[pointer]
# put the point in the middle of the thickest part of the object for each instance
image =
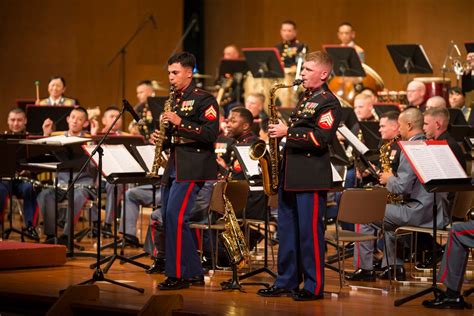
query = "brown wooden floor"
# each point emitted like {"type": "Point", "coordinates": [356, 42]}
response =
{"type": "Point", "coordinates": [210, 299]}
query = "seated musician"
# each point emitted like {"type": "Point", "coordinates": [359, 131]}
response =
{"type": "Point", "coordinates": [416, 91]}
{"type": "Point", "coordinates": [346, 34]}
{"type": "Point", "coordinates": [436, 102]}
{"type": "Point", "coordinates": [416, 209]}
{"type": "Point", "coordinates": [457, 100]}
{"type": "Point", "coordinates": [232, 83]}
{"type": "Point", "coordinates": [56, 89]}
{"type": "Point", "coordinates": [144, 91]}
{"type": "Point", "coordinates": [77, 121]}
{"type": "Point", "coordinates": [19, 187]}
{"type": "Point", "coordinates": [255, 104]}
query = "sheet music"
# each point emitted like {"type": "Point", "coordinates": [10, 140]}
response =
{"type": "Point", "coordinates": [116, 159]}
{"type": "Point", "coordinates": [352, 139]}
{"type": "Point", "coordinates": [252, 167]}
{"type": "Point", "coordinates": [147, 152]}
{"type": "Point", "coordinates": [426, 56]}
{"type": "Point", "coordinates": [59, 140]}
{"type": "Point", "coordinates": [433, 162]}
{"type": "Point", "coordinates": [45, 165]}
{"type": "Point", "coordinates": [336, 177]}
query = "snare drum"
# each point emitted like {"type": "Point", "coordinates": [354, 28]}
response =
{"type": "Point", "coordinates": [436, 86]}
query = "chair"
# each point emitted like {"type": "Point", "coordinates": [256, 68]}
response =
{"type": "Point", "coordinates": [357, 206]}
{"type": "Point", "coordinates": [461, 207]}
{"type": "Point", "coordinates": [236, 192]}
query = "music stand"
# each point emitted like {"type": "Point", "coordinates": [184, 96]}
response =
{"type": "Point", "coordinates": [346, 61]}
{"type": "Point", "coordinates": [456, 117]}
{"type": "Point", "coordinates": [156, 106]}
{"type": "Point", "coordinates": [264, 62]}
{"type": "Point", "coordinates": [410, 59]}
{"type": "Point", "coordinates": [337, 154]}
{"type": "Point", "coordinates": [469, 46]}
{"type": "Point", "coordinates": [348, 117]}
{"type": "Point", "coordinates": [232, 66]}
{"type": "Point", "coordinates": [382, 108]}
{"type": "Point", "coordinates": [36, 114]}
{"type": "Point", "coordinates": [371, 134]}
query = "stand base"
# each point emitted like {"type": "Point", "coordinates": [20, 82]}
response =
{"type": "Point", "coordinates": [433, 289]}
{"type": "Point", "coordinates": [258, 271]}
{"type": "Point", "coordinates": [468, 292]}
{"type": "Point", "coordinates": [8, 231]}
{"type": "Point", "coordinates": [232, 284]}
{"type": "Point", "coordinates": [99, 276]}
{"type": "Point", "coordinates": [111, 259]}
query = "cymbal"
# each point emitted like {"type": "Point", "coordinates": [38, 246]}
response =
{"type": "Point", "coordinates": [201, 76]}
{"type": "Point", "coordinates": [157, 87]}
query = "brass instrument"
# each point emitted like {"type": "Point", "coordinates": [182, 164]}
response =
{"type": "Point", "coordinates": [269, 159]}
{"type": "Point", "coordinates": [233, 238]}
{"type": "Point", "coordinates": [385, 167]}
{"type": "Point", "coordinates": [158, 161]}
{"type": "Point", "coordinates": [37, 85]}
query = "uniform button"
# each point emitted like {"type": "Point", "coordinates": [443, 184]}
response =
{"type": "Point", "coordinates": [308, 155]}
{"type": "Point", "coordinates": [305, 115]}
{"type": "Point", "coordinates": [189, 126]}
{"type": "Point", "coordinates": [304, 136]}
{"type": "Point", "coordinates": [182, 125]}
{"type": "Point", "coordinates": [299, 112]}
{"type": "Point", "coordinates": [297, 135]}
{"type": "Point", "coordinates": [289, 134]}
{"type": "Point", "coordinates": [197, 128]}
{"type": "Point", "coordinates": [198, 150]}
{"type": "Point", "coordinates": [292, 124]}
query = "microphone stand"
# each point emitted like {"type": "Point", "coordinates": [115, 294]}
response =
{"type": "Point", "coordinates": [178, 43]}
{"type": "Point", "coordinates": [98, 273]}
{"type": "Point", "coordinates": [123, 51]}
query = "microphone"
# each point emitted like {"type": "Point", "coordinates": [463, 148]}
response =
{"type": "Point", "coordinates": [153, 21]}
{"type": "Point", "coordinates": [130, 110]}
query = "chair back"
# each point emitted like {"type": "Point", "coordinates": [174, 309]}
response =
{"type": "Point", "coordinates": [217, 202]}
{"type": "Point", "coordinates": [237, 192]}
{"type": "Point", "coordinates": [462, 204]}
{"type": "Point", "coordinates": [362, 206]}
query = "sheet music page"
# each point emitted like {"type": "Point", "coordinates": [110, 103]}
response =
{"type": "Point", "coordinates": [352, 139]}
{"type": "Point", "coordinates": [426, 56]}
{"type": "Point", "coordinates": [251, 165]}
{"type": "Point", "coordinates": [57, 140]}
{"type": "Point", "coordinates": [336, 177]}
{"type": "Point", "coordinates": [448, 162]}
{"type": "Point", "coordinates": [116, 159]}
{"type": "Point", "coordinates": [147, 152]}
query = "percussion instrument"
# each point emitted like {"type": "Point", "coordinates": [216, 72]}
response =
{"type": "Point", "coordinates": [348, 87]}
{"type": "Point", "coordinates": [436, 86]}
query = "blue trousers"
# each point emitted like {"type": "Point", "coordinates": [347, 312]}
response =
{"type": "Point", "coordinates": [301, 236]}
{"type": "Point", "coordinates": [182, 259]}
{"type": "Point", "coordinates": [22, 190]}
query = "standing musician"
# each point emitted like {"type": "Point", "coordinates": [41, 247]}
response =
{"type": "Point", "coordinates": [305, 178]}
{"type": "Point", "coordinates": [231, 84]}
{"type": "Point", "coordinates": [290, 49]}
{"type": "Point", "coordinates": [56, 89]}
{"type": "Point", "coordinates": [194, 128]}
{"type": "Point", "coordinates": [346, 34]}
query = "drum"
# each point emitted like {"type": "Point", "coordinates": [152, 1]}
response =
{"type": "Point", "coordinates": [348, 87]}
{"type": "Point", "coordinates": [436, 86]}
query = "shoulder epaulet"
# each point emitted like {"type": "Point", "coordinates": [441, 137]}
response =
{"type": "Point", "coordinates": [200, 91]}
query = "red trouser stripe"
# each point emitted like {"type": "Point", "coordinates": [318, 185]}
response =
{"type": "Point", "coordinates": [462, 232]}
{"type": "Point", "coordinates": [316, 243]}
{"type": "Point", "coordinates": [179, 230]}
{"type": "Point", "coordinates": [35, 216]}
{"type": "Point", "coordinates": [153, 223]}
{"type": "Point", "coordinates": [198, 238]}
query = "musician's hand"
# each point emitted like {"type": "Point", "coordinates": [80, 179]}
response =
{"type": "Point", "coordinates": [340, 138]}
{"type": "Point", "coordinates": [171, 117]}
{"type": "Point", "coordinates": [277, 130]}
{"type": "Point", "coordinates": [48, 125]}
{"type": "Point", "coordinates": [94, 126]}
{"type": "Point", "coordinates": [384, 176]}
{"type": "Point", "coordinates": [221, 162]}
{"type": "Point", "coordinates": [157, 138]}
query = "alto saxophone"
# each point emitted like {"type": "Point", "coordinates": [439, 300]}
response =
{"type": "Point", "coordinates": [269, 159]}
{"type": "Point", "coordinates": [233, 238]}
{"type": "Point", "coordinates": [158, 160]}
{"type": "Point", "coordinates": [384, 151]}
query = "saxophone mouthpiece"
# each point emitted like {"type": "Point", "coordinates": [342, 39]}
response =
{"type": "Point", "coordinates": [297, 82]}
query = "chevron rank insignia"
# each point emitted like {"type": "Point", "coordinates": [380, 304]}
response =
{"type": "Point", "coordinates": [210, 113]}
{"type": "Point", "coordinates": [326, 120]}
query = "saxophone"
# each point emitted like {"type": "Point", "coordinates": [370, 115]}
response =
{"type": "Point", "coordinates": [385, 166]}
{"type": "Point", "coordinates": [269, 159]}
{"type": "Point", "coordinates": [233, 238]}
{"type": "Point", "coordinates": [158, 161]}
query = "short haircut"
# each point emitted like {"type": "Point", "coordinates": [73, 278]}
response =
{"type": "Point", "coordinates": [346, 24]}
{"type": "Point", "coordinates": [187, 60]}
{"type": "Point", "coordinates": [390, 115]}
{"type": "Point", "coordinates": [290, 22]}
{"type": "Point", "coordinates": [57, 77]}
{"type": "Point", "coordinates": [17, 111]}
{"type": "Point", "coordinates": [146, 83]}
{"type": "Point", "coordinates": [259, 96]}
{"type": "Point", "coordinates": [413, 116]}
{"type": "Point", "coordinates": [112, 108]}
{"type": "Point", "coordinates": [436, 101]}
{"type": "Point", "coordinates": [80, 109]}
{"type": "Point", "coordinates": [320, 57]}
{"type": "Point", "coordinates": [457, 90]}
{"type": "Point", "coordinates": [438, 112]}
{"type": "Point", "coordinates": [363, 97]}
{"type": "Point", "coordinates": [244, 113]}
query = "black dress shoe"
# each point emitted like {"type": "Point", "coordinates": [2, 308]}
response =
{"type": "Point", "coordinates": [31, 232]}
{"type": "Point", "coordinates": [274, 291]}
{"type": "Point", "coordinates": [444, 302]}
{"type": "Point", "coordinates": [399, 270]}
{"type": "Point", "coordinates": [197, 280]}
{"type": "Point", "coordinates": [62, 240]}
{"type": "Point", "coordinates": [361, 275]}
{"type": "Point", "coordinates": [107, 230]}
{"type": "Point", "coordinates": [132, 240]}
{"type": "Point", "coordinates": [173, 284]}
{"type": "Point", "coordinates": [158, 266]}
{"type": "Point", "coordinates": [305, 295]}
{"type": "Point", "coordinates": [428, 262]}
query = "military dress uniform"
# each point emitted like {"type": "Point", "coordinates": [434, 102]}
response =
{"type": "Point", "coordinates": [306, 177]}
{"type": "Point", "coordinates": [192, 162]}
{"type": "Point", "coordinates": [62, 101]}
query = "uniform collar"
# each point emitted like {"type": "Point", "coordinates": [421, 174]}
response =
{"type": "Point", "coordinates": [183, 94]}
{"type": "Point", "coordinates": [245, 136]}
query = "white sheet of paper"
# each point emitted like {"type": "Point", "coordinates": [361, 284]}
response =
{"type": "Point", "coordinates": [252, 165]}
{"type": "Point", "coordinates": [147, 152]}
{"type": "Point", "coordinates": [116, 159]}
{"type": "Point", "coordinates": [57, 140]}
{"type": "Point", "coordinates": [352, 139]}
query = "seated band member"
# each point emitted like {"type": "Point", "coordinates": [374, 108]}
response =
{"type": "Point", "coordinates": [302, 195]}
{"type": "Point", "coordinates": [255, 104]}
{"type": "Point", "coordinates": [457, 100]}
{"type": "Point", "coordinates": [230, 83]}
{"type": "Point", "coordinates": [416, 94]}
{"type": "Point", "coordinates": [346, 34]}
{"type": "Point", "coordinates": [453, 267]}
{"type": "Point", "coordinates": [194, 126]}
{"type": "Point", "coordinates": [56, 89]}
{"type": "Point", "coordinates": [435, 102]}
{"type": "Point", "coordinates": [22, 189]}
{"type": "Point", "coordinates": [77, 121]}
{"type": "Point", "coordinates": [416, 210]}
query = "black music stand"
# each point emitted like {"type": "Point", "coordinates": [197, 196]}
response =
{"type": "Point", "coordinates": [469, 46]}
{"type": "Point", "coordinates": [348, 117]}
{"type": "Point", "coordinates": [36, 114]}
{"type": "Point", "coordinates": [264, 62]}
{"type": "Point", "coordinates": [232, 66]}
{"type": "Point", "coordinates": [346, 61]}
{"type": "Point", "coordinates": [382, 108]}
{"type": "Point", "coordinates": [410, 59]}
{"type": "Point", "coordinates": [456, 117]}
{"type": "Point", "coordinates": [371, 134]}
{"type": "Point", "coordinates": [156, 106]}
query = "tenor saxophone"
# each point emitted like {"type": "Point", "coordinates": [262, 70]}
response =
{"type": "Point", "coordinates": [269, 158]}
{"type": "Point", "coordinates": [384, 151]}
{"type": "Point", "coordinates": [158, 160]}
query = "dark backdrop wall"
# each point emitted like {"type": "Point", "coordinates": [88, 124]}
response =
{"type": "Point", "coordinates": [432, 23]}
{"type": "Point", "coordinates": [76, 39]}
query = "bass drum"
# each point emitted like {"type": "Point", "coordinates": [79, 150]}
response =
{"type": "Point", "coordinates": [436, 86]}
{"type": "Point", "coordinates": [348, 87]}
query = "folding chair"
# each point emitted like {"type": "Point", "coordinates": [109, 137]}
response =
{"type": "Point", "coordinates": [357, 206]}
